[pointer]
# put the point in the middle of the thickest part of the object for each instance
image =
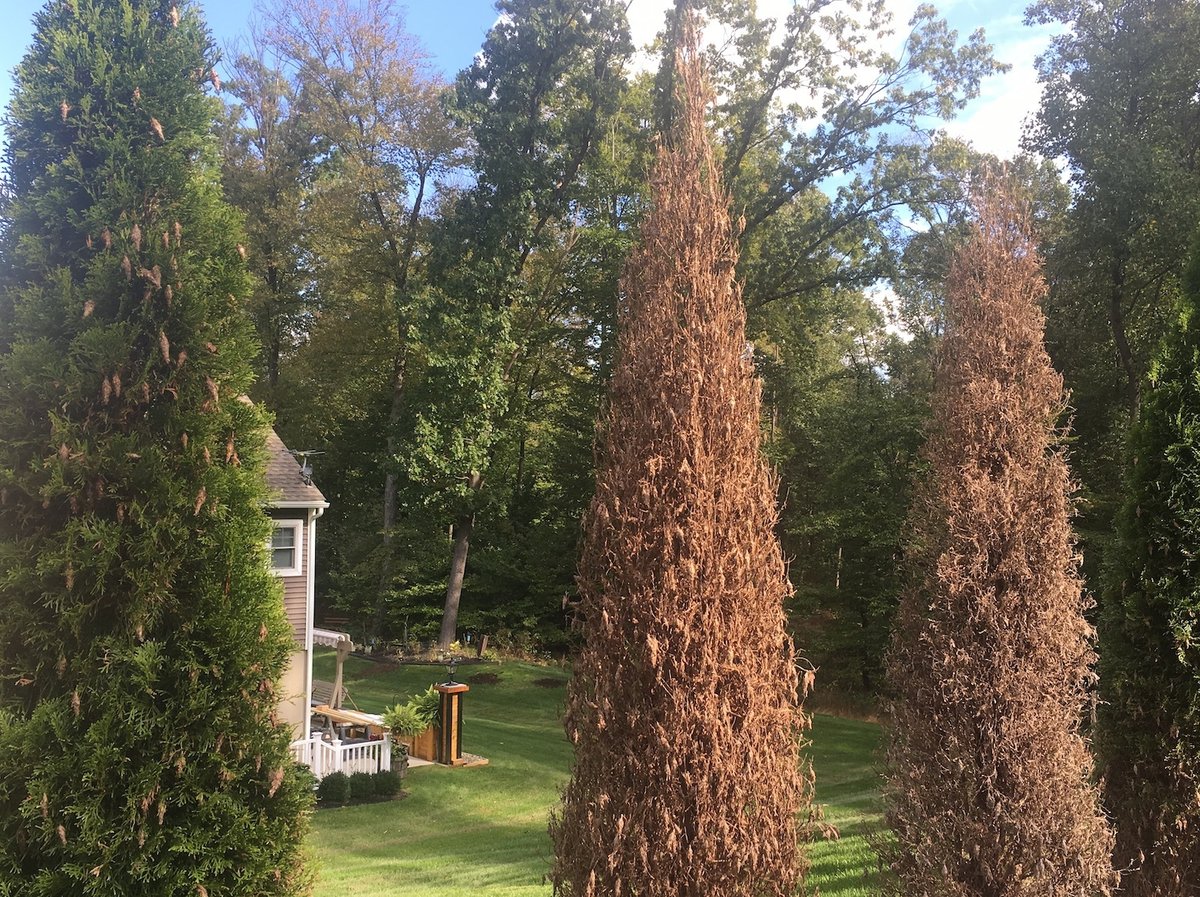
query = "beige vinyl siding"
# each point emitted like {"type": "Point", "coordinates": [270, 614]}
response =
{"type": "Point", "coordinates": [295, 604]}
{"type": "Point", "coordinates": [293, 699]}
{"type": "Point", "coordinates": [295, 588]}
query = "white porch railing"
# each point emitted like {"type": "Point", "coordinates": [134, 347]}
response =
{"type": "Point", "coordinates": [324, 757]}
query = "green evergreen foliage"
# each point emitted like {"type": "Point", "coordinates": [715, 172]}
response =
{"type": "Point", "coordinates": [141, 634]}
{"type": "Point", "coordinates": [334, 789]}
{"type": "Point", "coordinates": [386, 783]}
{"type": "Point", "coordinates": [362, 786]}
{"type": "Point", "coordinates": [1148, 735]}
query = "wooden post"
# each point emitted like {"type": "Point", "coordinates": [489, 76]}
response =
{"type": "Point", "coordinates": [449, 748]}
{"type": "Point", "coordinates": [344, 647]}
{"type": "Point", "coordinates": [481, 646]}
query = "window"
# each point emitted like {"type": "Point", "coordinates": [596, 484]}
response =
{"type": "Point", "coordinates": [285, 547]}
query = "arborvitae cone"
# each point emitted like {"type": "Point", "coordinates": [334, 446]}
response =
{"type": "Point", "coordinates": [1148, 736]}
{"type": "Point", "coordinates": [989, 787]}
{"type": "Point", "coordinates": [138, 748]}
{"type": "Point", "coordinates": [683, 708]}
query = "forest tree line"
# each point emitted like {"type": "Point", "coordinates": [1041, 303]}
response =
{"type": "Point", "coordinates": [436, 269]}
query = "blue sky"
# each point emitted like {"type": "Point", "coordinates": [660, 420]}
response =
{"type": "Point", "coordinates": [452, 31]}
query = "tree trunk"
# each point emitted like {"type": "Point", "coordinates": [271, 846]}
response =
{"type": "Point", "coordinates": [1116, 320]}
{"type": "Point", "coordinates": [402, 258]}
{"type": "Point", "coordinates": [463, 528]}
{"type": "Point", "coordinates": [389, 496]}
{"type": "Point", "coordinates": [458, 568]}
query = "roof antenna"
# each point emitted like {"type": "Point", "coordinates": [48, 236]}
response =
{"type": "Point", "coordinates": [306, 470]}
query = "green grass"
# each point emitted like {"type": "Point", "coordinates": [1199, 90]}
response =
{"type": "Point", "coordinates": [482, 832]}
{"type": "Point", "coordinates": [847, 785]}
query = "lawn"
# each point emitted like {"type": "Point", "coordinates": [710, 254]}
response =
{"type": "Point", "coordinates": [482, 832]}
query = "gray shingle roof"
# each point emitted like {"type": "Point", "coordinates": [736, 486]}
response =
{"type": "Point", "coordinates": [283, 477]}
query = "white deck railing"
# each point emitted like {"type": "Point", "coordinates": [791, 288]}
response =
{"type": "Point", "coordinates": [324, 757]}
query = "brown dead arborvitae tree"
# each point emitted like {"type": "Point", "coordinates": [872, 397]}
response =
{"type": "Point", "coordinates": [683, 709]}
{"type": "Point", "coordinates": [989, 790]}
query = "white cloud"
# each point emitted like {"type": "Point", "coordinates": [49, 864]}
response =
{"type": "Point", "coordinates": [992, 122]}
{"type": "Point", "coordinates": [646, 20]}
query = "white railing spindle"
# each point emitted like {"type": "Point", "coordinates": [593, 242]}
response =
{"type": "Point", "coordinates": [324, 757]}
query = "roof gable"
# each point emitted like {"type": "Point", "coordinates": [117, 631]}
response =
{"type": "Point", "coordinates": [284, 479]}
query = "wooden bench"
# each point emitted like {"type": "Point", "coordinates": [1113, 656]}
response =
{"type": "Point", "coordinates": [322, 693]}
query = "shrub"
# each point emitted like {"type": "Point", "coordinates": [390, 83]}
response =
{"type": "Point", "coordinates": [334, 789]}
{"type": "Point", "coordinates": [361, 786]}
{"type": "Point", "coordinates": [387, 783]}
{"type": "Point", "coordinates": [305, 779]}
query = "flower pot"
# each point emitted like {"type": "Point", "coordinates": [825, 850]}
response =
{"type": "Point", "coordinates": [422, 746]}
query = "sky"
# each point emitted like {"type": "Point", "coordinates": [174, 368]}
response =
{"type": "Point", "coordinates": [453, 30]}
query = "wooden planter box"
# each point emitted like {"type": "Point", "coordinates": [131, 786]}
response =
{"type": "Point", "coordinates": [423, 746]}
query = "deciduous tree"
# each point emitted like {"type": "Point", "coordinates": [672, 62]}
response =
{"type": "Point", "coordinates": [377, 111]}
{"type": "Point", "coordinates": [269, 150]}
{"type": "Point", "coordinates": [537, 102]}
{"type": "Point", "coordinates": [1119, 104]}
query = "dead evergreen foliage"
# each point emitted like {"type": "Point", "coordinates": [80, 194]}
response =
{"type": "Point", "coordinates": [989, 790]}
{"type": "Point", "coordinates": [683, 709]}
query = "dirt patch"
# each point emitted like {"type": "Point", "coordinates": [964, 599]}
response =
{"type": "Point", "coordinates": [484, 679]}
{"type": "Point", "coordinates": [378, 668]}
{"type": "Point", "coordinates": [549, 682]}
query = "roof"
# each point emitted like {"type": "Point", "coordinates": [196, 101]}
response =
{"type": "Point", "coordinates": [288, 489]}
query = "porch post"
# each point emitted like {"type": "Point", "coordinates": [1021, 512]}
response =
{"type": "Point", "coordinates": [449, 748]}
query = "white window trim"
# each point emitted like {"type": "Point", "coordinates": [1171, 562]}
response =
{"type": "Point", "coordinates": [298, 527]}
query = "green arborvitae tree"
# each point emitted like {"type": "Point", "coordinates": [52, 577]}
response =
{"type": "Point", "coordinates": [1120, 106]}
{"type": "Point", "coordinates": [989, 791]}
{"type": "Point", "coordinates": [683, 709]}
{"type": "Point", "coordinates": [1148, 735]}
{"type": "Point", "coordinates": [141, 634]}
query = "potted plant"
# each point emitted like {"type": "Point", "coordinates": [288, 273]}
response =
{"type": "Point", "coordinates": [413, 724]}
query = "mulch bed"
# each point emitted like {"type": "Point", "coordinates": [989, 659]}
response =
{"type": "Point", "coordinates": [333, 805]}
{"type": "Point", "coordinates": [549, 682]}
{"type": "Point", "coordinates": [391, 661]}
{"type": "Point", "coordinates": [379, 668]}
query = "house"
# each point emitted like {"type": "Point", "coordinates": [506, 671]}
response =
{"type": "Point", "coordinates": [295, 506]}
